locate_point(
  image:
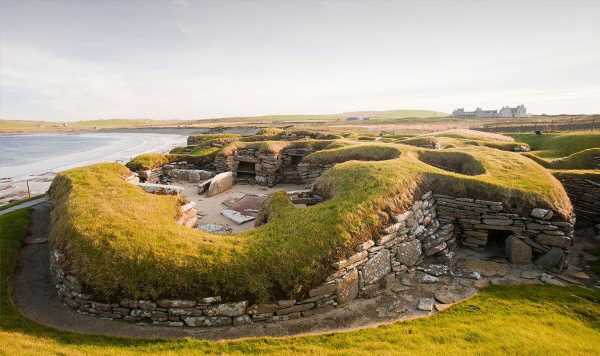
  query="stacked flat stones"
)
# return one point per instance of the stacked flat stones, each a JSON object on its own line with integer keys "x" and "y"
{"x": 536, "y": 236}
{"x": 150, "y": 175}
{"x": 410, "y": 242}
{"x": 224, "y": 163}
{"x": 271, "y": 168}
{"x": 399, "y": 247}
{"x": 311, "y": 171}
{"x": 291, "y": 158}
{"x": 585, "y": 196}
{"x": 204, "y": 312}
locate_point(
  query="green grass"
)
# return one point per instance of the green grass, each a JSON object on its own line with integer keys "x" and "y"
{"x": 372, "y": 152}
{"x": 148, "y": 161}
{"x": 500, "y": 320}
{"x": 586, "y": 159}
{"x": 471, "y": 135}
{"x": 559, "y": 145}
{"x": 208, "y": 139}
{"x": 462, "y": 138}
{"x": 48, "y": 126}
{"x": 292, "y": 252}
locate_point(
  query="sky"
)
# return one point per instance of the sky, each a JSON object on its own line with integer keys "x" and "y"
{"x": 185, "y": 59}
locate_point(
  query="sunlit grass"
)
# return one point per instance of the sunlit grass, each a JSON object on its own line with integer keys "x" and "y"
{"x": 109, "y": 225}
{"x": 520, "y": 320}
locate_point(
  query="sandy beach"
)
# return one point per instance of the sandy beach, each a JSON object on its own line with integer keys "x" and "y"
{"x": 28, "y": 164}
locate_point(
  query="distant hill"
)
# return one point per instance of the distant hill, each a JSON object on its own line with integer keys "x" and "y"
{"x": 372, "y": 114}
{"x": 395, "y": 114}
{"x": 15, "y": 126}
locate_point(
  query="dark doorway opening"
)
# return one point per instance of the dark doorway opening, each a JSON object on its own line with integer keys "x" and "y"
{"x": 296, "y": 160}
{"x": 496, "y": 243}
{"x": 246, "y": 169}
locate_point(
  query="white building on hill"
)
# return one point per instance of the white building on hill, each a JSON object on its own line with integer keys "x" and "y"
{"x": 505, "y": 111}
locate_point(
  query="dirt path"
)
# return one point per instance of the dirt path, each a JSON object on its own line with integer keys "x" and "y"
{"x": 26, "y": 204}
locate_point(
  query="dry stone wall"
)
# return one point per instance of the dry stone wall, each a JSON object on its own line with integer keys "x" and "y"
{"x": 540, "y": 237}
{"x": 585, "y": 196}
{"x": 268, "y": 168}
{"x": 423, "y": 238}
{"x": 292, "y": 157}
{"x": 309, "y": 172}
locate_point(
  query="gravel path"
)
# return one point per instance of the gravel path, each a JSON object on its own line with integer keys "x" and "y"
{"x": 26, "y": 204}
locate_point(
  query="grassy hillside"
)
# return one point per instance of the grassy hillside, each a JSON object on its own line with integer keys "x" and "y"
{"x": 558, "y": 145}
{"x": 396, "y": 114}
{"x": 499, "y": 321}
{"x": 15, "y": 126}
{"x": 28, "y": 126}
{"x": 12, "y": 126}
{"x": 574, "y": 150}
{"x": 287, "y": 256}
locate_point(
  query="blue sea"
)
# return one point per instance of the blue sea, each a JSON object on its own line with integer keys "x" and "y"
{"x": 30, "y": 155}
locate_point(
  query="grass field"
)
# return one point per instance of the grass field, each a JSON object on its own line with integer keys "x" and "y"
{"x": 574, "y": 150}
{"x": 16, "y": 126}
{"x": 13, "y": 126}
{"x": 559, "y": 145}
{"x": 290, "y": 254}
{"x": 533, "y": 320}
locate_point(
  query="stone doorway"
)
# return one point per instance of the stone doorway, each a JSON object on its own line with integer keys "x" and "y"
{"x": 296, "y": 160}
{"x": 495, "y": 246}
{"x": 246, "y": 171}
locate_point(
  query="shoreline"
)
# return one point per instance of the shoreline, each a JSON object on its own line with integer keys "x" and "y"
{"x": 38, "y": 174}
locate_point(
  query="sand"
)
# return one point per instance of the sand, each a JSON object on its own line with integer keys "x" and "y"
{"x": 39, "y": 174}
{"x": 211, "y": 207}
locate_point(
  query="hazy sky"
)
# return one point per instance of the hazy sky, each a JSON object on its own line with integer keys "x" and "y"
{"x": 73, "y": 60}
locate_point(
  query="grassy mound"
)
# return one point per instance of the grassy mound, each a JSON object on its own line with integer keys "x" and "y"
{"x": 586, "y": 159}
{"x": 367, "y": 152}
{"x": 209, "y": 139}
{"x": 551, "y": 320}
{"x": 558, "y": 145}
{"x": 124, "y": 242}
{"x": 455, "y": 140}
{"x": 274, "y": 147}
{"x": 148, "y": 161}
{"x": 458, "y": 162}
{"x": 472, "y": 135}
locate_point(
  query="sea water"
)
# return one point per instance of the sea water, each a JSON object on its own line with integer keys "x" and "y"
{"x": 27, "y": 157}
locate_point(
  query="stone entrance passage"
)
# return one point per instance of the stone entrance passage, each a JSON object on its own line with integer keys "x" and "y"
{"x": 246, "y": 171}
{"x": 495, "y": 246}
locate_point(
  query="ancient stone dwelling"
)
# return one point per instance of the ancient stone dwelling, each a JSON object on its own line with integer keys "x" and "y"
{"x": 425, "y": 239}
{"x": 251, "y": 165}
{"x": 422, "y": 240}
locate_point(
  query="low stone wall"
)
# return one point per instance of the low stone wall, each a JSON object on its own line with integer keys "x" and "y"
{"x": 305, "y": 196}
{"x": 269, "y": 168}
{"x": 423, "y": 238}
{"x": 400, "y": 246}
{"x": 585, "y": 196}
{"x": 224, "y": 163}
{"x": 292, "y": 157}
{"x": 150, "y": 176}
{"x": 164, "y": 189}
{"x": 309, "y": 172}
{"x": 540, "y": 237}
{"x": 187, "y": 175}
